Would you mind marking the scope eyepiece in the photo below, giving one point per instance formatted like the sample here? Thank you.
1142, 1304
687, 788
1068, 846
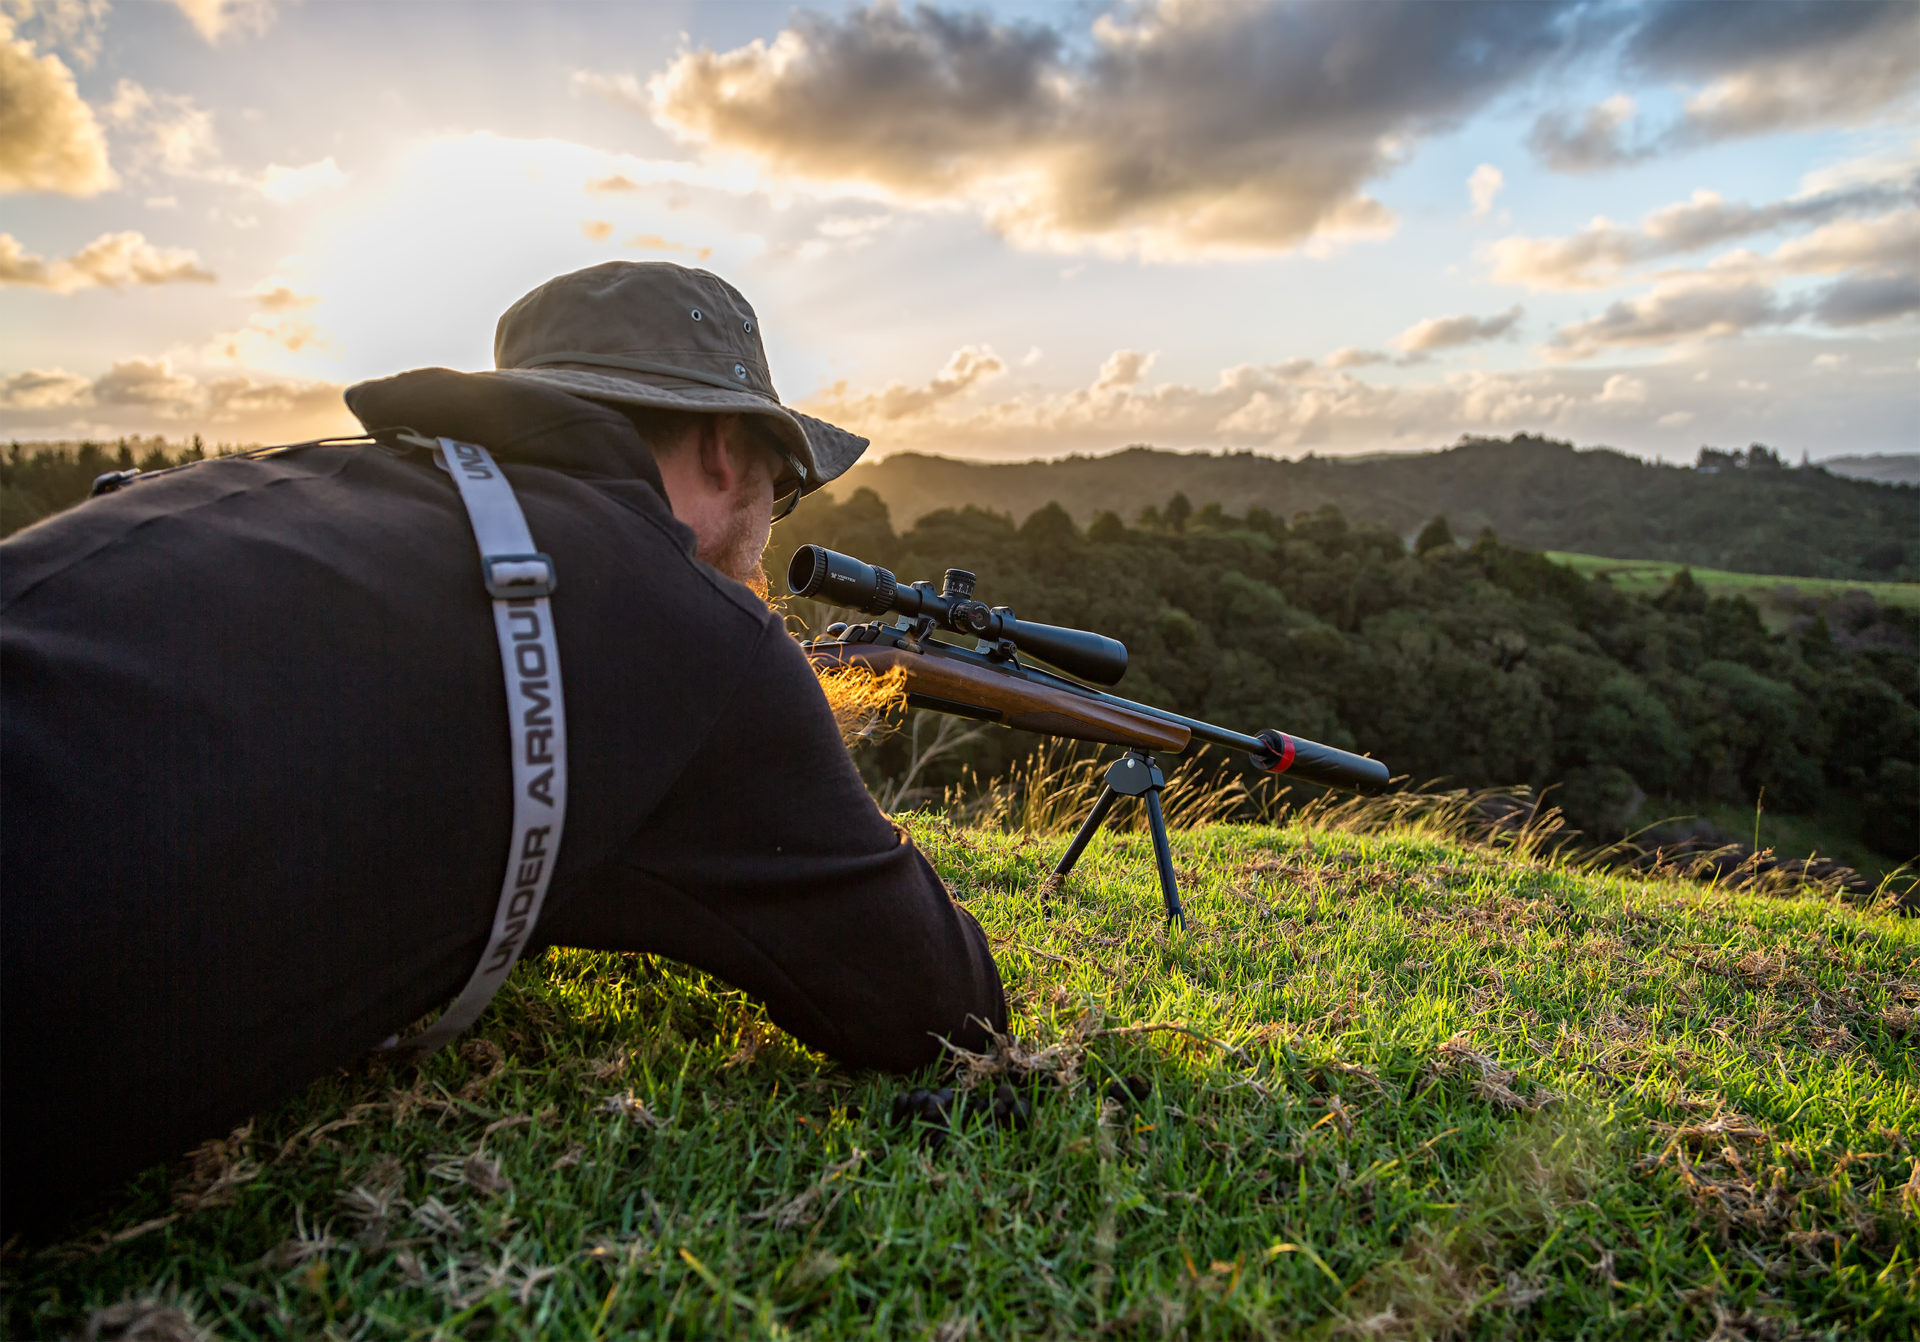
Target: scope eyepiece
841, 580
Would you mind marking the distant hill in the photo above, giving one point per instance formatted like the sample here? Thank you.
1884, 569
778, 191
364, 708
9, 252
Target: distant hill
1745, 512
1889, 468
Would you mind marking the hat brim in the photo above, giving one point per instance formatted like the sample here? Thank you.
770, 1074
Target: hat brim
827, 450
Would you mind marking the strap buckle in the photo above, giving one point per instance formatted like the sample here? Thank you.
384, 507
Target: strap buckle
518, 577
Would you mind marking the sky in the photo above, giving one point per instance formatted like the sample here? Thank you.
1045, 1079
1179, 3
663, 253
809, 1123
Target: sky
1006, 232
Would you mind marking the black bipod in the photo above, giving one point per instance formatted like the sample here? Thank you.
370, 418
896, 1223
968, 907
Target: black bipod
1134, 775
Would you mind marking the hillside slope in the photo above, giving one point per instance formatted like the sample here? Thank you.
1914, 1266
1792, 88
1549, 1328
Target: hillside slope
1535, 493
1388, 1086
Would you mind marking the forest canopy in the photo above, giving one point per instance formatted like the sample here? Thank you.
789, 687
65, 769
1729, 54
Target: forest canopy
1482, 663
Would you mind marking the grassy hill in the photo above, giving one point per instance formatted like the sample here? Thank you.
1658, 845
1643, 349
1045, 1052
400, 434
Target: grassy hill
1533, 492
1388, 1085
1648, 577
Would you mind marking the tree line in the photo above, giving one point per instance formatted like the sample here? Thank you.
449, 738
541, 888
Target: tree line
1483, 663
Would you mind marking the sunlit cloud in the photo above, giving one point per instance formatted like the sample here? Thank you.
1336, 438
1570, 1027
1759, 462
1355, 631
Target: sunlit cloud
1296, 405
653, 242
279, 296
1451, 332
44, 389
71, 26
1182, 131
969, 366
168, 133
1483, 185
283, 185
218, 19
50, 139
146, 391
1748, 67
1597, 255
173, 135
113, 261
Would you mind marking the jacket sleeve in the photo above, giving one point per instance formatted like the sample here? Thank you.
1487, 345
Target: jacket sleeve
769, 866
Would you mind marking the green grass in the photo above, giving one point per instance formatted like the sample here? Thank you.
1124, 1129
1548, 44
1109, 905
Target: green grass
1417, 1089
1644, 577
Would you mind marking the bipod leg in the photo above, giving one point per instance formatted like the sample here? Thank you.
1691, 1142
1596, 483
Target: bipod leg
1137, 775
1088, 828
1163, 856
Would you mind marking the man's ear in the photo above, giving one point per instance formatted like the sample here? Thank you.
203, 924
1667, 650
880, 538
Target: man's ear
720, 465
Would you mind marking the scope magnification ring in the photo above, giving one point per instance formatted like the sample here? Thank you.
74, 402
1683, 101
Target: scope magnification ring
884, 587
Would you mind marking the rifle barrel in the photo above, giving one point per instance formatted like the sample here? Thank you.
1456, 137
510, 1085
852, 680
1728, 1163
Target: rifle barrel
1274, 751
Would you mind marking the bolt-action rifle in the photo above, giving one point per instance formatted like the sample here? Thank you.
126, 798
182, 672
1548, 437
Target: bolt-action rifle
992, 683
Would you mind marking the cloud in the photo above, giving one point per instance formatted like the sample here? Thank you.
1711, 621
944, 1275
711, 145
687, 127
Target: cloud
1595, 140
72, 25
1890, 240
596, 230
1878, 261
1752, 67
1349, 357
49, 138
1595, 256
1295, 405
275, 325
1123, 368
146, 393
968, 365
1780, 64
112, 260
1173, 130
1622, 389
1278, 408
216, 19
283, 185
1871, 296
171, 134
1451, 332
167, 132
44, 389
613, 182
1483, 185
1699, 306
150, 383
653, 242
278, 296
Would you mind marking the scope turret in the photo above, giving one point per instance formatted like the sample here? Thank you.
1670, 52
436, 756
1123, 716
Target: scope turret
841, 580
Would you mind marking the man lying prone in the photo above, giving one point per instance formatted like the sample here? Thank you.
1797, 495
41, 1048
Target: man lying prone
257, 782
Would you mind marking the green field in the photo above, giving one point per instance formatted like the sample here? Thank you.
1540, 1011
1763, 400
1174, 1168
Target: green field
1644, 577
1399, 1087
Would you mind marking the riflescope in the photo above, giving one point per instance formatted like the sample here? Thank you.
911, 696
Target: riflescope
841, 580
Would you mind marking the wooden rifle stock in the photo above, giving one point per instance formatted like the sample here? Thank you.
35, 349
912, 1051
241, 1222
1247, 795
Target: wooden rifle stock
953, 686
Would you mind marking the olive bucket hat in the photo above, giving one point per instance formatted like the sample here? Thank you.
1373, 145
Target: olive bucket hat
667, 337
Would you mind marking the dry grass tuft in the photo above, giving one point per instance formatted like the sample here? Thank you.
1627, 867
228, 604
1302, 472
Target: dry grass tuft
862, 701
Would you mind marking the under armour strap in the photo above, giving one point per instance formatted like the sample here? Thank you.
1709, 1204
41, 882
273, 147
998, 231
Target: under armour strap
519, 579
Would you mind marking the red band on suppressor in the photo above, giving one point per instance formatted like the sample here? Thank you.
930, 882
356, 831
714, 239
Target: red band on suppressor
1281, 765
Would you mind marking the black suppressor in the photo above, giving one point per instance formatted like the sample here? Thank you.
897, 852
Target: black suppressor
841, 580
1297, 757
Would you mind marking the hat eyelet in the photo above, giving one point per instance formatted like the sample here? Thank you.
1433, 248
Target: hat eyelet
740, 371
747, 327
696, 314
